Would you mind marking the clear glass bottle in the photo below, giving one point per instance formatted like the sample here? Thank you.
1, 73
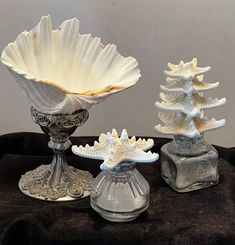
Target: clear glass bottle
189, 164
120, 194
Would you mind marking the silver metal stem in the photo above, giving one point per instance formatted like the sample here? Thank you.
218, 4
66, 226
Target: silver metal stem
57, 181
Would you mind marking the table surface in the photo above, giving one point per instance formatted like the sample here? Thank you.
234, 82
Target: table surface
201, 217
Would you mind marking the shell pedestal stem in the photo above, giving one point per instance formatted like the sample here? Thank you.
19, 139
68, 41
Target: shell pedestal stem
57, 181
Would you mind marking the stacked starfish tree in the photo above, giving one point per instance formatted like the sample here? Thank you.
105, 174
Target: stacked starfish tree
188, 162
183, 102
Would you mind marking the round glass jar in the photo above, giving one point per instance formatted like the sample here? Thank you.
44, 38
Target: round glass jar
120, 194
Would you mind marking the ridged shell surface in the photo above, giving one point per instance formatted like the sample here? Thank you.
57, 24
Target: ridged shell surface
62, 71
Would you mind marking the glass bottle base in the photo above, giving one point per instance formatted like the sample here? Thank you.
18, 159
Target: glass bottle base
193, 187
120, 195
118, 216
189, 173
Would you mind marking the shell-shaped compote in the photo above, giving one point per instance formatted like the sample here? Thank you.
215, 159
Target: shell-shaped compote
62, 71
183, 102
115, 150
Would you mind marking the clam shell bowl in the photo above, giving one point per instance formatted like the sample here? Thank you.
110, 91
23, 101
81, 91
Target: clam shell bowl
62, 71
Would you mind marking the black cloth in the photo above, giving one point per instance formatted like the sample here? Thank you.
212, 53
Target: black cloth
201, 217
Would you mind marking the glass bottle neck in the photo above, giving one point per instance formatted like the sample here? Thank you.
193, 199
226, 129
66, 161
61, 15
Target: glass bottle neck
186, 146
123, 167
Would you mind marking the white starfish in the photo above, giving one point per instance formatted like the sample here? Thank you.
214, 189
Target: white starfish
186, 71
114, 149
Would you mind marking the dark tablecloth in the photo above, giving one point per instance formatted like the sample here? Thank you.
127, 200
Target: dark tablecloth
201, 217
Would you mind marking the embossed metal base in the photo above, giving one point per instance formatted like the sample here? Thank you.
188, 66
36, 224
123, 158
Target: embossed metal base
72, 183
57, 181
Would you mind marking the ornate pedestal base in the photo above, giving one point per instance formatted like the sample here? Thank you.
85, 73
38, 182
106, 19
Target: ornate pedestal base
57, 181
72, 183
187, 172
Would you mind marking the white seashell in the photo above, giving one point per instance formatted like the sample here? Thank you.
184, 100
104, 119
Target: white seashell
183, 102
62, 71
122, 150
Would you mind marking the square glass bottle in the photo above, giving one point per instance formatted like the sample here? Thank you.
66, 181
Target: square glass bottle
189, 164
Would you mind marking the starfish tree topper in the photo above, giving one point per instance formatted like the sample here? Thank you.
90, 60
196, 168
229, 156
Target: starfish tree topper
186, 71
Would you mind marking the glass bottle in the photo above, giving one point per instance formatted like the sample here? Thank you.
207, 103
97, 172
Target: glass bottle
120, 194
189, 164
